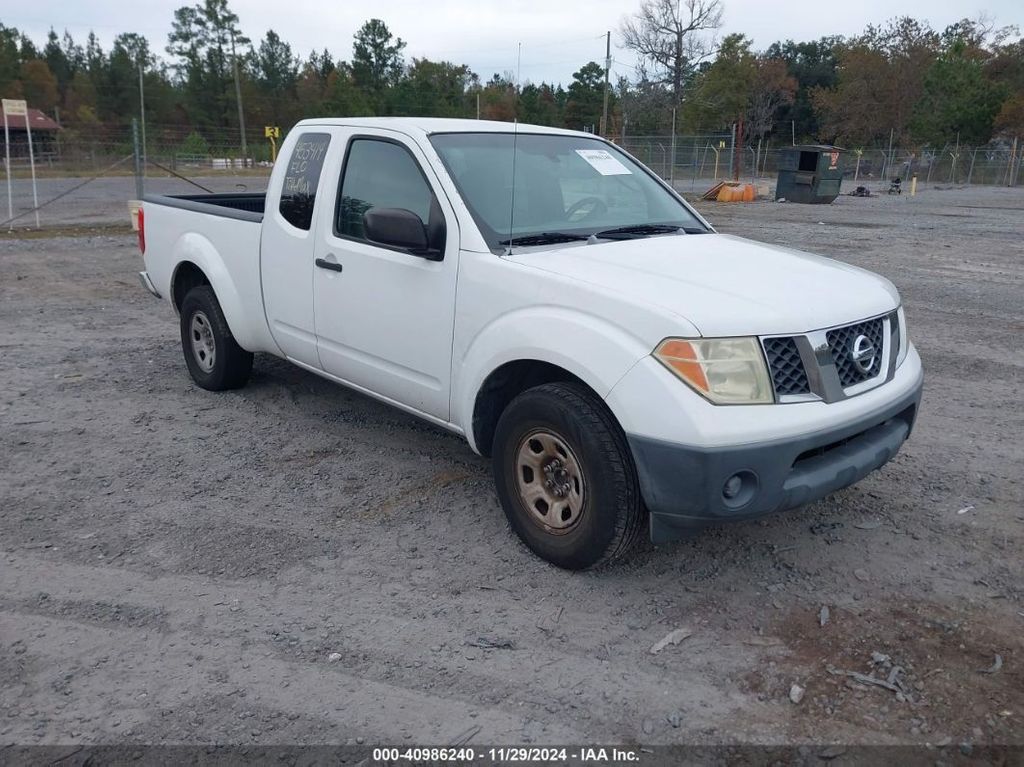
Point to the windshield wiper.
(544, 238)
(638, 230)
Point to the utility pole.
(672, 166)
(138, 159)
(732, 155)
(607, 71)
(737, 167)
(892, 132)
(142, 118)
(238, 98)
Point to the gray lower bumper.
(148, 284)
(686, 487)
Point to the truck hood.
(724, 285)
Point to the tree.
(436, 88)
(95, 59)
(773, 88)
(881, 78)
(541, 104)
(343, 97)
(135, 48)
(721, 92)
(673, 38)
(376, 57)
(585, 98)
(56, 59)
(202, 38)
(39, 85)
(498, 98)
(277, 72)
(812, 65)
(1010, 120)
(10, 62)
(277, 68)
(313, 83)
(80, 99)
(958, 100)
(118, 92)
(1006, 68)
(643, 105)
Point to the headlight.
(727, 371)
(904, 338)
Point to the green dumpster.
(809, 173)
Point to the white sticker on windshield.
(603, 162)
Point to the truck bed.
(243, 206)
(219, 234)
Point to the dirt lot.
(295, 563)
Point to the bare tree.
(772, 87)
(674, 36)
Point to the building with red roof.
(44, 134)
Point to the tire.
(215, 360)
(560, 438)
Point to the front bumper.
(686, 487)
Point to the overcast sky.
(557, 36)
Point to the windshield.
(566, 187)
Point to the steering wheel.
(585, 208)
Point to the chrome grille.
(820, 365)
(787, 369)
(840, 342)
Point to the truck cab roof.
(430, 125)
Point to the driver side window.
(379, 174)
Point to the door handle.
(333, 266)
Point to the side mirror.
(396, 227)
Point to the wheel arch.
(532, 346)
(187, 275)
(503, 385)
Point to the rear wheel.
(565, 477)
(214, 359)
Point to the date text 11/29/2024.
(505, 754)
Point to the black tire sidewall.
(610, 488)
(232, 364)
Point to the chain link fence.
(177, 159)
(84, 150)
(86, 175)
(691, 162)
(79, 150)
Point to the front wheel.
(566, 478)
(214, 359)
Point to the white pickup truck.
(542, 293)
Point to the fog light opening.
(739, 489)
(732, 488)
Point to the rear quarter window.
(298, 192)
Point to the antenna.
(515, 137)
(512, 206)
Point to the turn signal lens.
(904, 340)
(727, 371)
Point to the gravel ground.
(296, 563)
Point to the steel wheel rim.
(550, 481)
(204, 348)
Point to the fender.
(241, 319)
(526, 334)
